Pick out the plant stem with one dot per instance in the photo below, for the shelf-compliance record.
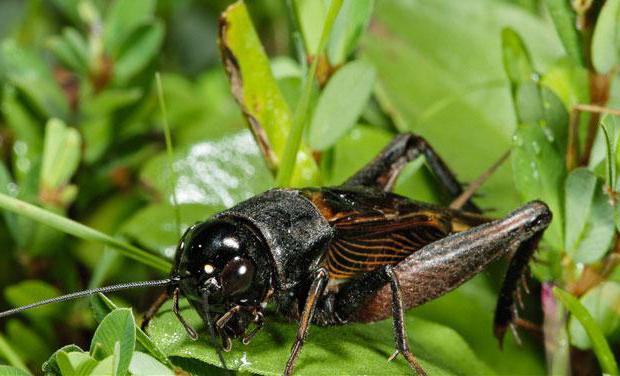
(599, 343)
(11, 356)
(77, 229)
(287, 165)
(170, 152)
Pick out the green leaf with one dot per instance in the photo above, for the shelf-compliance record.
(30, 291)
(565, 21)
(71, 49)
(104, 367)
(256, 91)
(75, 363)
(28, 73)
(599, 344)
(348, 349)
(117, 329)
(61, 155)
(218, 173)
(12, 371)
(311, 17)
(539, 146)
(605, 43)
(349, 26)
(145, 365)
(439, 74)
(139, 49)
(341, 104)
(101, 306)
(517, 61)
(50, 367)
(601, 302)
(122, 18)
(589, 217)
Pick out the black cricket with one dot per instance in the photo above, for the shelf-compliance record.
(352, 253)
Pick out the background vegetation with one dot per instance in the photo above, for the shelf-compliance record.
(325, 85)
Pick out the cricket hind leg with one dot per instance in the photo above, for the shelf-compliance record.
(506, 309)
(446, 264)
(400, 331)
(383, 171)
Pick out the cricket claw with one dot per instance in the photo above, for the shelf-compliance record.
(413, 362)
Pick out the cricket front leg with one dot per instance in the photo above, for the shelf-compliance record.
(316, 291)
(153, 309)
(400, 331)
(383, 171)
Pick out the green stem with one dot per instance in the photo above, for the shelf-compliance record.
(11, 356)
(170, 152)
(287, 165)
(76, 229)
(599, 343)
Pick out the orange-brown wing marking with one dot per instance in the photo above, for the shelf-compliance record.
(366, 242)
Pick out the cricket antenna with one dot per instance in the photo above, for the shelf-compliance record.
(81, 294)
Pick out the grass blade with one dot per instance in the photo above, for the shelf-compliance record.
(78, 230)
(285, 172)
(170, 152)
(599, 343)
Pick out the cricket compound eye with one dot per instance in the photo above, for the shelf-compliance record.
(237, 275)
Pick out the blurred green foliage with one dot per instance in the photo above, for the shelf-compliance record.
(82, 136)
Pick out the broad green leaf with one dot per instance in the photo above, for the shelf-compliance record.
(347, 349)
(440, 75)
(589, 217)
(27, 72)
(256, 91)
(517, 62)
(138, 50)
(565, 21)
(480, 295)
(50, 367)
(101, 306)
(104, 367)
(341, 103)
(602, 302)
(145, 365)
(218, 173)
(568, 81)
(605, 42)
(75, 363)
(121, 19)
(358, 147)
(311, 17)
(539, 146)
(12, 371)
(61, 155)
(30, 291)
(348, 28)
(117, 327)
